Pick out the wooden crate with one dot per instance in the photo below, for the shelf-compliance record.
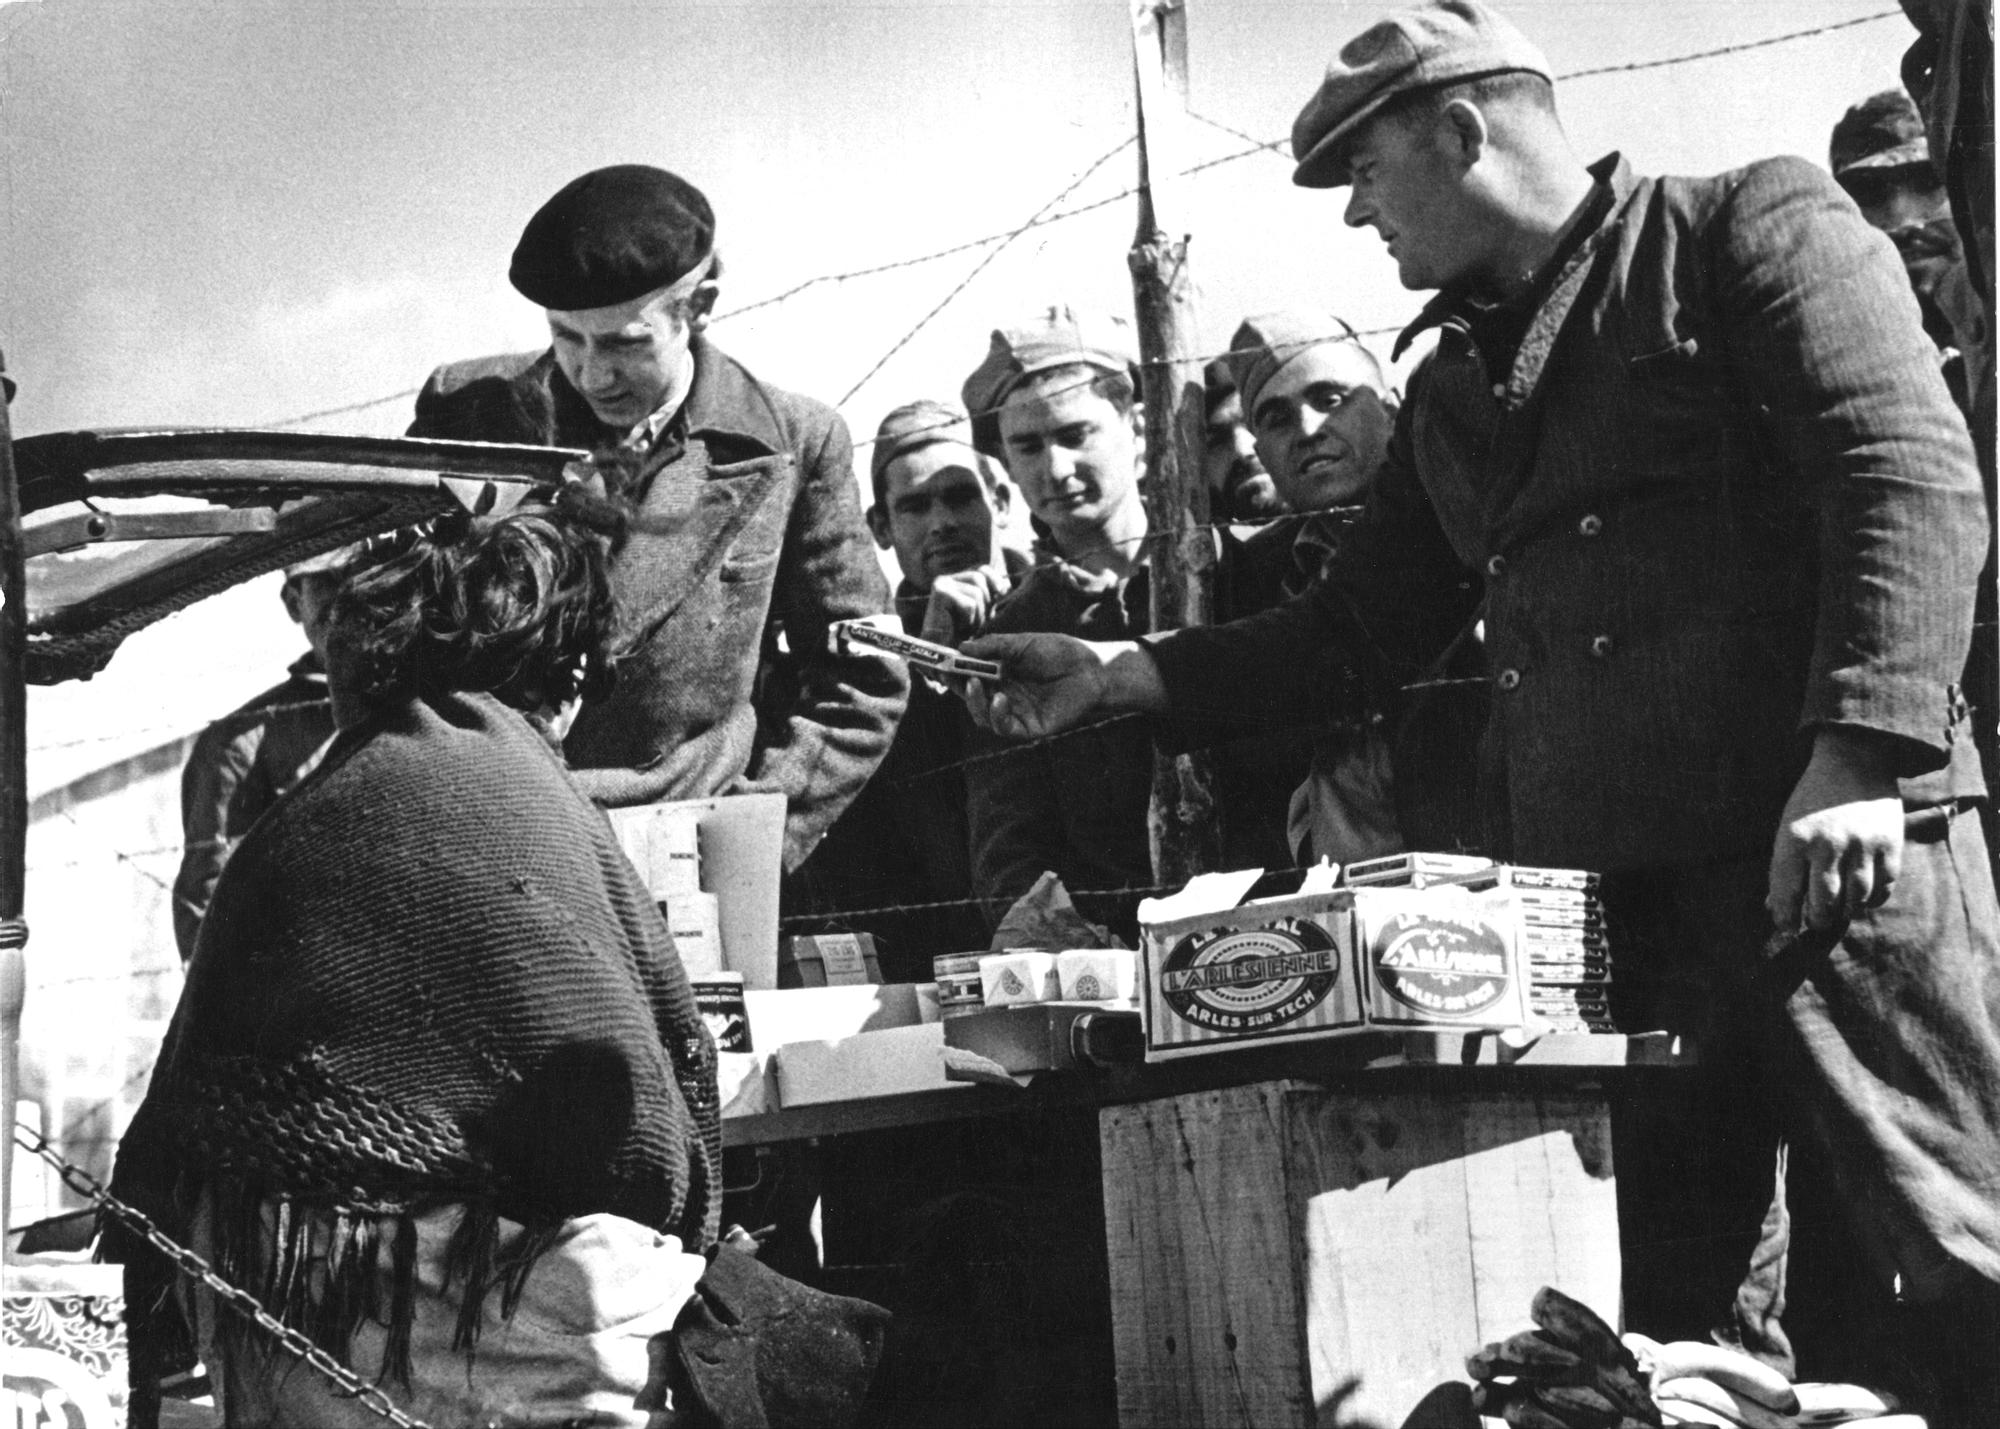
(1285, 1254)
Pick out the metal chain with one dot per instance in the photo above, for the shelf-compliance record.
(193, 1266)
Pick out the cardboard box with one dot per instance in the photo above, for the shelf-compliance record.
(1032, 1037)
(1217, 975)
(887, 1062)
(829, 960)
(741, 840)
(1439, 957)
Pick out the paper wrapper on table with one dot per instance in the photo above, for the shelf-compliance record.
(1024, 975)
(1218, 973)
(1439, 957)
(1097, 974)
(62, 1344)
(1044, 917)
(695, 919)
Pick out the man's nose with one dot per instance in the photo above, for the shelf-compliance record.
(1311, 421)
(1359, 211)
(597, 371)
(1244, 444)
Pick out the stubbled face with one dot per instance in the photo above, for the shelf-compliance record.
(1235, 475)
(1322, 427)
(309, 601)
(623, 359)
(1073, 455)
(936, 513)
(1908, 204)
(1409, 186)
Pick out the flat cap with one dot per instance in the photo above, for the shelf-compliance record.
(1056, 337)
(914, 426)
(1883, 131)
(1445, 42)
(611, 236)
(1267, 344)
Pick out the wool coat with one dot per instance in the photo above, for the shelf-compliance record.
(749, 546)
(1719, 499)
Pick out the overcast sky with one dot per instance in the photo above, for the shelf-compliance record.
(239, 213)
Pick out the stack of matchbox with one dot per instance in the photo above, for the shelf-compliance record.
(1564, 950)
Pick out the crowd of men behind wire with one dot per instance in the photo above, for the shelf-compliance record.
(912, 821)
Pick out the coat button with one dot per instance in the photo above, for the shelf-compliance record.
(1496, 565)
(1499, 389)
(1600, 647)
(1590, 526)
(1509, 679)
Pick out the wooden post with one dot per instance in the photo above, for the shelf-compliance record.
(1182, 823)
(13, 806)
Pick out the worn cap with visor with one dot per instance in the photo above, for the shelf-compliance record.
(1059, 336)
(1267, 344)
(914, 426)
(1447, 42)
(1883, 131)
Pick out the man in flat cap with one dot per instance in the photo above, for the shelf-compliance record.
(1687, 440)
(747, 542)
(902, 851)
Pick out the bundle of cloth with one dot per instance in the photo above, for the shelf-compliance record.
(1573, 1371)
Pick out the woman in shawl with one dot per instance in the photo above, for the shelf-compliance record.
(436, 1091)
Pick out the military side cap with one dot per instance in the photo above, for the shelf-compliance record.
(611, 236)
(1057, 337)
(1883, 131)
(914, 426)
(1447, 42)
(1265, 345)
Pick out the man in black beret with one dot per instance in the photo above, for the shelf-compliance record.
(748, 541)
(1685, 445)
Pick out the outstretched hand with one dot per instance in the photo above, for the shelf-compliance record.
(1839, 848)
(1050, 683)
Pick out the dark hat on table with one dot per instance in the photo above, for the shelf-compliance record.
(1059, 336)
(1265, 345)
(1883, 131)
(914, 426)
(1447, 42)
(611, 236)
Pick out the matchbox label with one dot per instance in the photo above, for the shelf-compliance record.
(1236, 981)
(1443, 966)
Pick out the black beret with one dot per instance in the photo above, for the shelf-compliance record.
(611, 236)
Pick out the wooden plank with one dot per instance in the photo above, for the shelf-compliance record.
(1379, 1197)
(1542, 1205)
(1427, 1221)
(1206, 1315)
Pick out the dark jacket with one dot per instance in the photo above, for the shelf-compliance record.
(237, 769)
(1718, 499)
(750, 545)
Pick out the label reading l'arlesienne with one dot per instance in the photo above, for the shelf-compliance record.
(1237, 981)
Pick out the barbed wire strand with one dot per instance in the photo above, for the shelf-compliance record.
(1258, 146)
(982, 265)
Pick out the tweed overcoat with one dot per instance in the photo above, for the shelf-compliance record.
(750, 545)
(1721, 498)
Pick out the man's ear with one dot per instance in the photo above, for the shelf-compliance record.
(289, 594)
(701, 302)
(1002, 492)
(1467, 131)
(878, 526)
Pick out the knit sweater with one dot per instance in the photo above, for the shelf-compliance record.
(429, 976)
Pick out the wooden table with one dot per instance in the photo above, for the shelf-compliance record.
(1320, 1234)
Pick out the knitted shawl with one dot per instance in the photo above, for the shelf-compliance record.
(429, 976)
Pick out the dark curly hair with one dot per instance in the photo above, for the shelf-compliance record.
(517, 606)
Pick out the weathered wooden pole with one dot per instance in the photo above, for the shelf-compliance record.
(1182, 824)
(13, 806)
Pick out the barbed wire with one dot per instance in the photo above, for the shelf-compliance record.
(1257, 146)
(984, 263)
